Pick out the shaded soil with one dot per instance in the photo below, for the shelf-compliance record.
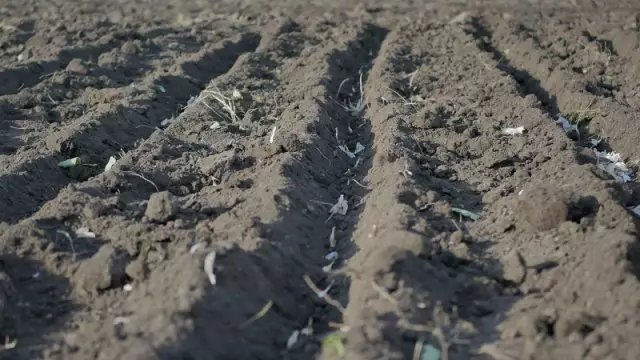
(236, 132)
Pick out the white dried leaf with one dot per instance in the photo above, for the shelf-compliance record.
(611, 156)
(9, 345)
(340, 207)
(611, 163)
(513, 131)
(332, 237)
(84, 232)
(615, 172)
(167, 122)
(192, 100)
(119, 320)
(324, 292)
(127, 288)
(308, 331)
(329, 267)
(215, 125)
(195, 247)
(347, 151)
(566, 125)
(460, 18)
(293, 339)
(209, 260)
(331, 256)
(273, 135)
(352, 154)
(110, 163)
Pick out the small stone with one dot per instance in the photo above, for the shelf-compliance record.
(161, 207)
(432, 196)
(461, 251)
(129, 48)
(514, 267)
(77, 66)
(471, 132)
(456, 237)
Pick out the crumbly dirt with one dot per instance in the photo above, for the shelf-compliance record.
(239, 129)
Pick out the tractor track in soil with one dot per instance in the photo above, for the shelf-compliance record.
(398, 110)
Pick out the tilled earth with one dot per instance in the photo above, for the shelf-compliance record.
(344, 164)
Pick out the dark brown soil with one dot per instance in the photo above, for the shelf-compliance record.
(456, 237)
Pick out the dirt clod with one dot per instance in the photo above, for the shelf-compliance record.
(514, 268)
(161, 207)
(77, 66)
(137, 269)
(104, 270)
(541, 208)
(221, 164)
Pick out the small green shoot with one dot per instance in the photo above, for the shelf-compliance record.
(70, 163)
(4, 27)
(430, 352)
(334, 342)
(265, 309)
(581, 117)
(8, 345)
(504, 56)
(466, 213)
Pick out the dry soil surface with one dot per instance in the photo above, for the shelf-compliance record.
(318, 180)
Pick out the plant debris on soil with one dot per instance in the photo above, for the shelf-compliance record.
(319, 180)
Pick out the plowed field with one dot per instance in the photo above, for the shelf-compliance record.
(421, 180)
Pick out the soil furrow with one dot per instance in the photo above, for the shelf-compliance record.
(566, 81)
(107, 130)
(223, 175)
(453, 155)
(397, 248)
